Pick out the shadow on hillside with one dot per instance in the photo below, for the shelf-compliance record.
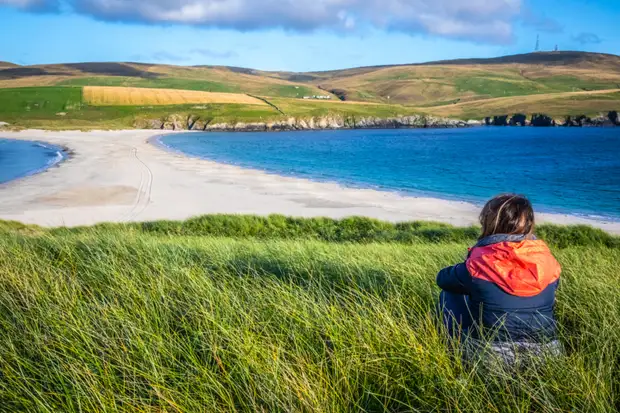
(103, 69)
(111, 69)
(20, 72)
(543, 58)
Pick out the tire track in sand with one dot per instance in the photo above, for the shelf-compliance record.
(143, 198)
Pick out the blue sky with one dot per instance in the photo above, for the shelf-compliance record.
(298, 35)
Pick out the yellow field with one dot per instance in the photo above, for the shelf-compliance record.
(132, 96)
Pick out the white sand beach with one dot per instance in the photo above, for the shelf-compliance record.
(118, 176)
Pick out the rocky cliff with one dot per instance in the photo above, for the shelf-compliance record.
(194, 122)
(181, 122)
(539, 119)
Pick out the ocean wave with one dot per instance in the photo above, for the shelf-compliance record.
(59, 157)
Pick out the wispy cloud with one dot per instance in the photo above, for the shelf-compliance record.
(214, 54)
(177, 57)
(488, 21)
(33, 5)
(587, 38)
(164, 56)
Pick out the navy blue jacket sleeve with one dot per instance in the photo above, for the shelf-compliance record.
(456, 279)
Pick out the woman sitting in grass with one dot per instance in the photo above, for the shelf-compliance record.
(504, 293)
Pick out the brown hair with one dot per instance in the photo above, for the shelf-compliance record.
(507, 214)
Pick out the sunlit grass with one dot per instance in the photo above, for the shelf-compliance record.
(129, 318)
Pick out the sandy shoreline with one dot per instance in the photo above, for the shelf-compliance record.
(118, 176)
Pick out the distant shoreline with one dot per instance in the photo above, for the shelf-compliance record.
(122, 176)
(545, 210)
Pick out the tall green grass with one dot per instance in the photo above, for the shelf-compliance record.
(353, 229)
(143, 318)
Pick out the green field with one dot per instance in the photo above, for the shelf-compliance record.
(163, 83)
(62, 108)
(278, 314)
(41, 107)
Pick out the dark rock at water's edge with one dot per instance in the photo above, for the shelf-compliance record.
(541, 120)
(519, 119)
(500, 120)
(192, 122)
(506, 120)
(195, 122)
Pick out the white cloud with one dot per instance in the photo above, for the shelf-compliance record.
(30, 4)
(489, 21)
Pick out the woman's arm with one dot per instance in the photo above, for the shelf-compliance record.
(456, 279)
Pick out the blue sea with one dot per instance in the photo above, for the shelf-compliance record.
(562, 170)
(22, 158)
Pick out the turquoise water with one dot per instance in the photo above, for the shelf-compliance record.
(567, 170)
(22, 158)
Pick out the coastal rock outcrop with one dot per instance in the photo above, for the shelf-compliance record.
(178, 122)
(578, 121)
(611, 118)
(540, 119)
(608, 119)
(175, 122)
(601, 120)
(192, 122)
(500, 120)
(519, 119)
(199, 125)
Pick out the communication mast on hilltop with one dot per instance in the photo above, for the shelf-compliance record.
(537, 49)
(556, 48)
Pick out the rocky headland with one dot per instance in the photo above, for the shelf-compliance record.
(198, 123)
(180, 122)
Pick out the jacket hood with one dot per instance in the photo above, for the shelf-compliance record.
(522, 268)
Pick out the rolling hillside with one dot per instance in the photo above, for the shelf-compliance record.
(556, 83)
(206, 79)
(433, 84)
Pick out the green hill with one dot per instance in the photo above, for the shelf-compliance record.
(6, 65)
(557, 83)
(438, 83)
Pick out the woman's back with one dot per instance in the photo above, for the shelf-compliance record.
(505, 290)
(513, 286)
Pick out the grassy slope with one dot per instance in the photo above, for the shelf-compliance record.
(5, 65)
(215, 79)
(544, 82)
(38, 107)
(117, 318)
(553, 104)
(479, 79)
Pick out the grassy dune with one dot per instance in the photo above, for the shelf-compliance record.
(269, 318)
